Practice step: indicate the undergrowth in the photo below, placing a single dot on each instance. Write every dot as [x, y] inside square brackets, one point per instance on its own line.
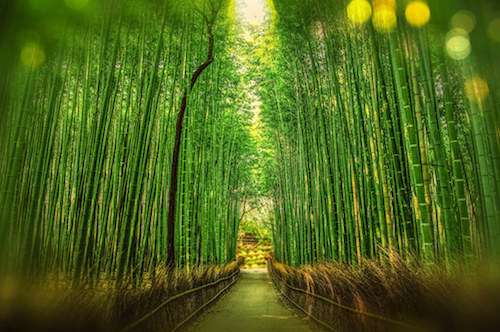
[55, 305]
[421, 298]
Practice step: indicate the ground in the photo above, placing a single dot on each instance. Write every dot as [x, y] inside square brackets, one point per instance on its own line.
[252, 305]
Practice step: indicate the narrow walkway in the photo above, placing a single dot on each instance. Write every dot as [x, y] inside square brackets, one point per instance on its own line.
[252, 305]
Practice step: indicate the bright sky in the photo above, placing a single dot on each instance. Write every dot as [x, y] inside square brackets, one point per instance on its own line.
[252, 11]
[253, 20]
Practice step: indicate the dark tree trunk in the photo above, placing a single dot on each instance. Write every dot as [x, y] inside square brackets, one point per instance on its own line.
[172, 194]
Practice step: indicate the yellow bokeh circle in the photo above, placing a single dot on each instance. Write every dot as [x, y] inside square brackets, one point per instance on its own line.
[476, 89]
[494, 30]
[77, 4]
[359, 11]
[464, 20]
[418, 13]
[384, 18]
[32, 55]
[389, 3]
[458, 45]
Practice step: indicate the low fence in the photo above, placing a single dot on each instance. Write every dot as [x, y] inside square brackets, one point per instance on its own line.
[173, 313]
[330, 314]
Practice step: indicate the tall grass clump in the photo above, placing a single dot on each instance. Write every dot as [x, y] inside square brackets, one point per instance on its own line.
[53, 305]
[392, 295]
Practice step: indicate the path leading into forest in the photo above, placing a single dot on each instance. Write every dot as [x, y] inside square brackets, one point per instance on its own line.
[252, 305]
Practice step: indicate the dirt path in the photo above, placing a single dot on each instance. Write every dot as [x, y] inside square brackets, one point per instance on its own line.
[252, 305]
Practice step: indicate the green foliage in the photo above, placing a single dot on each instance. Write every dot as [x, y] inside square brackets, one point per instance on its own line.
[261, 232]
[377, 147]
[369, 143]
[88, 142]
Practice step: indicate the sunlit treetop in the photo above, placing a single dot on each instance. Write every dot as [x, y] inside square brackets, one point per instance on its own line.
[252, 12]
[476, 89]
[418, 13]
[359, 12]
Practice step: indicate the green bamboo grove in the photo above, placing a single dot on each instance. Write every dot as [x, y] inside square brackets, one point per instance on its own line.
[384, 144]
[88, 139]
[380, 137]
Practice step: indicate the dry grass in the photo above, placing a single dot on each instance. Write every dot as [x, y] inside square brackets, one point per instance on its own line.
[424, 297]
[54, 306]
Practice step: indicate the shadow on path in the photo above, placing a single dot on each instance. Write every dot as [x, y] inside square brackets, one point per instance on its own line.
[252, 305]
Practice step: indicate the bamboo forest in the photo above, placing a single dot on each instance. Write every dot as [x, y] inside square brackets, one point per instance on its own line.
[250, 165]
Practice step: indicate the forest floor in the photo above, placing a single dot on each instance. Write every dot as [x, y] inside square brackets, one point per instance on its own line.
[251, 305]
